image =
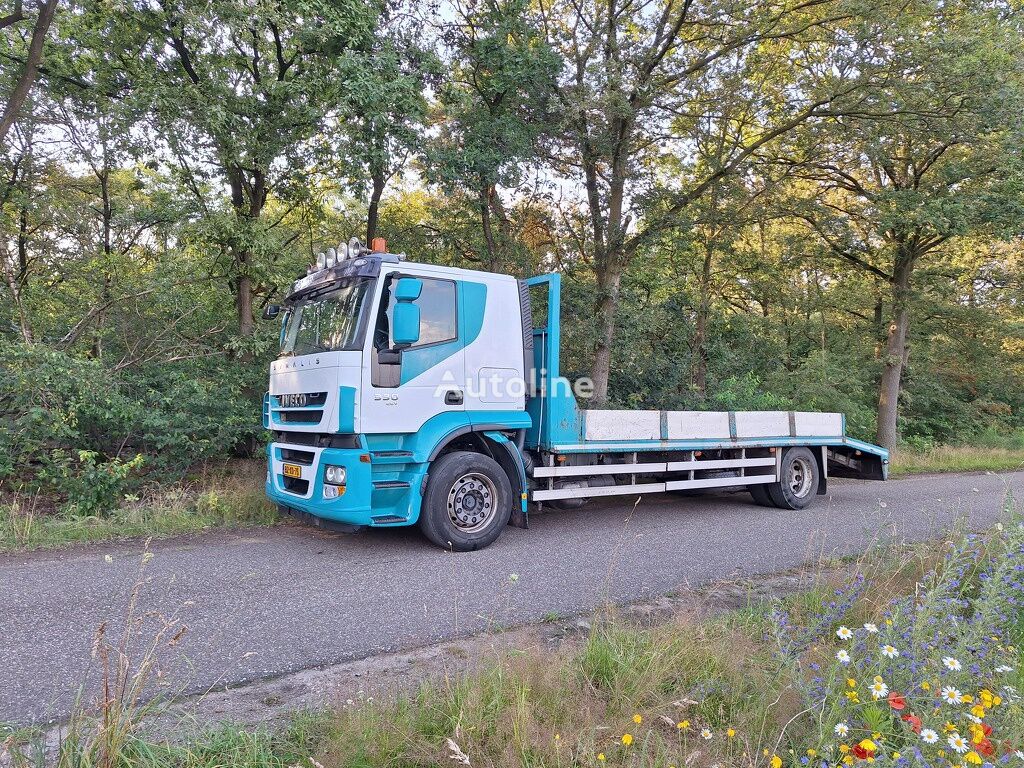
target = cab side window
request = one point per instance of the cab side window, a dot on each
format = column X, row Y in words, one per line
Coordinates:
column 437, row 312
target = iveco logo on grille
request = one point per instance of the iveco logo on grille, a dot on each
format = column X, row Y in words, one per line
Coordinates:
column 293, row 401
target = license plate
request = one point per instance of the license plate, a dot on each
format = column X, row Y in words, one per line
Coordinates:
column 292, row 470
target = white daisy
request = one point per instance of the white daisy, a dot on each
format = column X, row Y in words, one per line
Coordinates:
column 872, row 628
column 952, row 664
column 1003, row 669
column 973, row 718
column 889, row 652
column 843, row 656
column 842, row 729
column 1019, row 753
column 958, row 743
column 951, row 695
column 844, row 633
column 706, row 734
column 879, row 690
column 928, row 736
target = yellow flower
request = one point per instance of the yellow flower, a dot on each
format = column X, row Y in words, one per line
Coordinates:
column 627, row 739
column 812, row 752
column 776, row 762
column 848, row 759
column 558, row 736
column 888, row 622
column 844, row 748
column 967, row 699
column 600, row 756
column 851, row 682
column 895, row 755
column 868, row 745
column 978, row 711
column 949, row 727
column 926, row 686
column 731, row 732
column 637, row 719
column 973, row 757
column 683, row 725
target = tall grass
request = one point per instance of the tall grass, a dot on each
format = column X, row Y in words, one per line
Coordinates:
column 224, row 498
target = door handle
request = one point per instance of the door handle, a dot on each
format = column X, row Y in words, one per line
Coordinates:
column 453, row 397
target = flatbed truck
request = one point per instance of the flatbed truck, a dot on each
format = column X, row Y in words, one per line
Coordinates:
column 417, row 394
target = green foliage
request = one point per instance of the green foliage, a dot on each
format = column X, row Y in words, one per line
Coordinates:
column 91, row 486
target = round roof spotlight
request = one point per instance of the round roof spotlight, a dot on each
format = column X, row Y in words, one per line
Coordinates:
column 332, row 257
column 343, row 252
column 321, row 260
column 355, row 248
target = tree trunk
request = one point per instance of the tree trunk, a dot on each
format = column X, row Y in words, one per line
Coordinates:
column 250, row 210
column 896, row 353
column 607, row 305
column 47, row 9
column 484, row 202
column 699, row 352
column 372, row 211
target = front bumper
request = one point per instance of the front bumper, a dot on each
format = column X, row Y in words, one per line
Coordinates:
column 352, row 507
column 381, row 491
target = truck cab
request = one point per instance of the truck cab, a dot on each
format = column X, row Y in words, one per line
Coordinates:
column 412, row 393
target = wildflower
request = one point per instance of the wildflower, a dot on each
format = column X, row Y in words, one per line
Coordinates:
column 851, row 682
column 895, row 755
column 926, row 686
column 853, row 697
column 879, row 690
column 989, row 699
column 865, row 750
column 928, row 736
column 978, row 710
column 843, row 656
column 637, row 719
column 872, row 628
column 812, row 752
column 601, row 757
column 627, row 739
column 915, row 722
column 682, row 725
column 731, row 732
column 951, row 695
column 706, row 734
column 1003, row 669
column 844, row 748
column 842, row 730
column 889, row 652
column 958, row 743
column 973, row 757
column 844, row 633
column 1020, row 753
column 896, row 701
column 952, row 664
column 776, row 762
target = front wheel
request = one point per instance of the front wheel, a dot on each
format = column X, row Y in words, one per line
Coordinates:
column 799, row 480
column 468, row 501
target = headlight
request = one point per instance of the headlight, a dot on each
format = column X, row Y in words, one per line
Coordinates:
column 321, row 260
column 332, row 257
column 335, row 475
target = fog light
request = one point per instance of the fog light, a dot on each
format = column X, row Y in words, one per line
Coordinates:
column 333, row 491
column 336, row 475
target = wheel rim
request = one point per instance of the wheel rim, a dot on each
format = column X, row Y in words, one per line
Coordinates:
column 471, row 502
column 801, row 475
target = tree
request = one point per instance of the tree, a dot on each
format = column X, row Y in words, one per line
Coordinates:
column 938, row 157
column 242, row 94
column 493, row 109
column 29, row 59
column 640, row 81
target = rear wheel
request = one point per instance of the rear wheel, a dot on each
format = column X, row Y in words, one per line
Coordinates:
column 468, row 501
column 799, row 483
column 760, row 494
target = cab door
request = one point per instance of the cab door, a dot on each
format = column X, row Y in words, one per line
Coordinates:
column 407, row 385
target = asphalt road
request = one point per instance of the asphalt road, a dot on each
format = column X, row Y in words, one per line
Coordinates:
column 264, row 602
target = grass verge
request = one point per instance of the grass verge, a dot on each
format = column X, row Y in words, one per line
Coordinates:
column 957, row 458
column 228, row 497
column 864, row 667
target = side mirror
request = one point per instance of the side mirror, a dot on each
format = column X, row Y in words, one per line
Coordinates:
column 405, row 323
column 271, row 311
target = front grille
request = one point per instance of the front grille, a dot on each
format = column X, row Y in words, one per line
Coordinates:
column 300, row 417
column 298, row 457
column 312, row 398
column 318, row 440
column 296, row 485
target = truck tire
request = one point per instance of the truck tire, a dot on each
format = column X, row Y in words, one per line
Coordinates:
column 799, row 483
column 760, row 495
column 468, row 501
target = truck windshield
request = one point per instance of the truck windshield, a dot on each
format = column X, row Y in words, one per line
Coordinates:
column 327, row 320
